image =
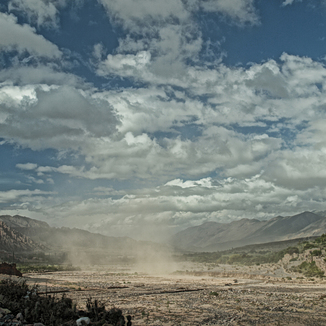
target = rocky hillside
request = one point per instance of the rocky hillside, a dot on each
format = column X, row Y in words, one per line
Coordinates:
column 212, row 236
column 29, row 234
column 21, row 222
column 12, row 240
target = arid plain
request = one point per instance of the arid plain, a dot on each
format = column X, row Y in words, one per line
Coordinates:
column 190, row 293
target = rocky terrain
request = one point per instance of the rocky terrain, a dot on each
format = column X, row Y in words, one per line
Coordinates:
column 225, row 288
column 227, row 295
column 12, row 240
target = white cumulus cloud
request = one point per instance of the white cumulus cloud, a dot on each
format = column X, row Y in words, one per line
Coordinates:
column 14, row 36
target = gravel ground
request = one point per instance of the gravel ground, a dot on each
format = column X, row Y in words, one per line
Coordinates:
column 224, row 295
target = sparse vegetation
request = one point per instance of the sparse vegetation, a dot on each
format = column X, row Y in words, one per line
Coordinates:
column 321, row 239
column 316, row 253
column 27, row 268
column 251, row 256
column 308, row 269
column 309, row 245
column 242, row 258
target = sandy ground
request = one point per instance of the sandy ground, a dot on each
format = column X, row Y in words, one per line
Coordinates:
column 197, row 294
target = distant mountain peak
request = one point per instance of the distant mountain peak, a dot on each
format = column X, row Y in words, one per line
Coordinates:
column 18, row 221
column 214, row 237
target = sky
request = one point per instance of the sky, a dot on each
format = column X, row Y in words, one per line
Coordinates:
column 141, row 118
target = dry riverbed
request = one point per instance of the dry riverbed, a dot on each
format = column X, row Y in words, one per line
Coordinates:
column 196, row 294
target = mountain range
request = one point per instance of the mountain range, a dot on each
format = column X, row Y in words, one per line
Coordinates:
column 22, row 234
column 213, row 236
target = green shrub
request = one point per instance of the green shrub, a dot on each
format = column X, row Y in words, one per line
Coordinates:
column 309, row 246
column 291, row 250
column 51, row 311
column 316, row 252
column 321, row 239
column 18, row 297
column 308, row 269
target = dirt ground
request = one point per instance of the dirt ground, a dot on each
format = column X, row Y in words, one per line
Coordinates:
column 196, row 294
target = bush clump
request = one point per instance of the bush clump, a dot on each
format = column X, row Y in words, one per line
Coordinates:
column 18, row 297
column 316, row 253
column 309, row 269
column 309, row 245
column 321, row 239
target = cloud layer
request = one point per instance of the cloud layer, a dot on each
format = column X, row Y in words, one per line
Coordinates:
column 179, row 141
column 14, row 36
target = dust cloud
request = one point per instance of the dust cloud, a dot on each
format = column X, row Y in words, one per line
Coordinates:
column 146, row 258
column 143, row 253
column 154, row 261
column 154, row 256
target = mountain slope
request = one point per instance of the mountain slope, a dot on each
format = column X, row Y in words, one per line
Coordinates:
column 43, row 236
column 288, row 227
column 12, row 240
column 23, row 222
column 212, row 236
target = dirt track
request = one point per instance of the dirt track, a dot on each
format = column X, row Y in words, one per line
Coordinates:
column 224, row 296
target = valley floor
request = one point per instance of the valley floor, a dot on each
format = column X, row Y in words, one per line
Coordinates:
column 197, row 294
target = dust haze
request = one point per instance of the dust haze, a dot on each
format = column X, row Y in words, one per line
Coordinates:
column 141, row 256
